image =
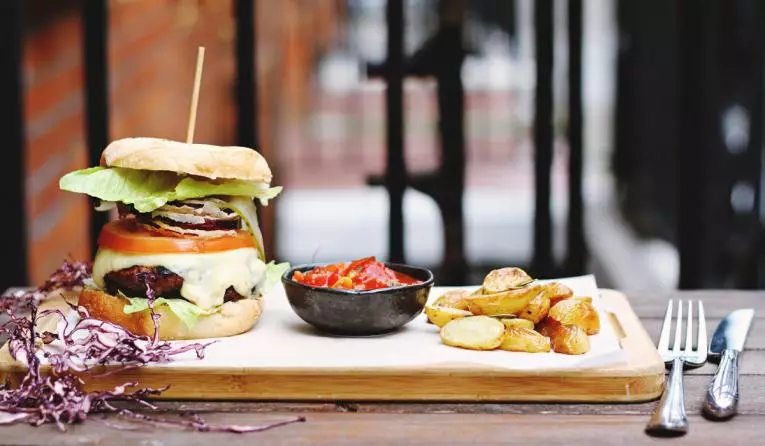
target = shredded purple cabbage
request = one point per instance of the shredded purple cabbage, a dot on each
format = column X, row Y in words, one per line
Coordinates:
column 85, row 343
column 69, row 275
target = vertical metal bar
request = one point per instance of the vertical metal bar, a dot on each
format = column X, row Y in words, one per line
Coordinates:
column 696, row 139
column 395, row 172
column 246, row 93
column 757, row 141
column 95, row 41
column 542, row 263
column 575, row 238
column 451, row 111
column 451, row 116
column 14, row 238
column 247, row 124
column 734, row 209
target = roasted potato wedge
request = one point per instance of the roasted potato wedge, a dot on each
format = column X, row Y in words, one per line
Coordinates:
column 504, row 279
column 452, row 299
column 567, row 339
column 546, row 327
column 506, row 302
column 518, row 339
column 440, row 316
column 474, row 333
column 570, row 340
column 578, row 312
column 517, row 323
column 537, row 308
column 557, row 292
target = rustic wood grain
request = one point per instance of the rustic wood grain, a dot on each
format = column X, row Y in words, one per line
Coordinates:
column 752, row 403
column 717, row 304
column 339, row 429
column 755, row 340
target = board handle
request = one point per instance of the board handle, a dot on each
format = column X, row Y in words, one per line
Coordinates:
column 632, row 335
column 616, row 325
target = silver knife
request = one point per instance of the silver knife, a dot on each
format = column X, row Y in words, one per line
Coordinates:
column 727, row 343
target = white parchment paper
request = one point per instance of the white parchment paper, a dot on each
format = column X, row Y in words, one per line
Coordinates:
column 282, row 340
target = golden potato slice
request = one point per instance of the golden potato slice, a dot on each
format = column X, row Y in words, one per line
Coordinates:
column 452, row 299
column 517, row 323
column 518, row 339
column 578, row 312
column 537, row 308
column 570, row 340
column 506, row 302
column 504, row 279
column 474, row 333
column 440, row 316
column 557, row 292
column 546, row 327
column 567, row 339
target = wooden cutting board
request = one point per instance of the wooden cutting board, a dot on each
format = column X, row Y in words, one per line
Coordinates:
column 638, row 377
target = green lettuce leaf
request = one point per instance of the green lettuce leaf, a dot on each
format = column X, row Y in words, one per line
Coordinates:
column 274, row 272
column 148, row 190
column 193, row 188
column 245, row 207
column 185, row 310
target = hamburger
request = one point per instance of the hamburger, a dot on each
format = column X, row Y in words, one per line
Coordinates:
column 185, row 241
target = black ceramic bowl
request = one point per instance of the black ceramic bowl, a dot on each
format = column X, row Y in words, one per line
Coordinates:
column 359, row 313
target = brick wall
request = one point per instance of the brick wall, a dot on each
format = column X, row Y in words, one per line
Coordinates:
column 152, row 54
column 152, row 58
column 55, row 144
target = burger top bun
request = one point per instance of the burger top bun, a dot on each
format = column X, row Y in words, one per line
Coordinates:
column 240, row 163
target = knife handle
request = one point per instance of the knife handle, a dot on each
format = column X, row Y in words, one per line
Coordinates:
column 722, row 395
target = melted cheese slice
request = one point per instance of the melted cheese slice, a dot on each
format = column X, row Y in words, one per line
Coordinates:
column 205, row 276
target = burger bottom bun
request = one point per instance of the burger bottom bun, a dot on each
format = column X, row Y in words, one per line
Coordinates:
column 232, row 319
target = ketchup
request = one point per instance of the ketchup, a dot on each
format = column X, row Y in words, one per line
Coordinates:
column 361, row 274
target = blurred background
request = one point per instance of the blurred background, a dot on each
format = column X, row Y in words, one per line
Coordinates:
column 619, row 138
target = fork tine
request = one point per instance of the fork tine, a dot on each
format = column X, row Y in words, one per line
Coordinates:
column 665, row 328
column 689, row 329
column 702, row 342
column 678, row 328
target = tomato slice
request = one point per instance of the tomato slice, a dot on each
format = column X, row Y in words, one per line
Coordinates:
column 358, row 265
column 127, row 236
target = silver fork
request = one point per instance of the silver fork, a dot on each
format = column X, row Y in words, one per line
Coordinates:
column 669, row 417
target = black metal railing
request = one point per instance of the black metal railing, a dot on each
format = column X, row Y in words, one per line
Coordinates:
column 713, row 64
column 542, row 262
column 688, row 152
column 95, row 44
column 441, row 58
column 12, row 127
column 246, row 72
column 576, row 247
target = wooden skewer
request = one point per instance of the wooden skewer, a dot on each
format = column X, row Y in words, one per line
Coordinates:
column 195, row 96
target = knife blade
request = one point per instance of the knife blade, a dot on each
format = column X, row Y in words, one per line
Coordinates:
column 727, row 343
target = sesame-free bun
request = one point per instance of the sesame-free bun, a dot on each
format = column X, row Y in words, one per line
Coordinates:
column 205, row 160
column 232, row 319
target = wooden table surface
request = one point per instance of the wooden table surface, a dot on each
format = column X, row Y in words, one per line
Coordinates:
column 462, row 423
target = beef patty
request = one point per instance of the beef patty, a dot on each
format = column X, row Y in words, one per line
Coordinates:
column 134, row 281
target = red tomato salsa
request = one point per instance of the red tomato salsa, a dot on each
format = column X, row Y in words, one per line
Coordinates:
column 362, row 275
